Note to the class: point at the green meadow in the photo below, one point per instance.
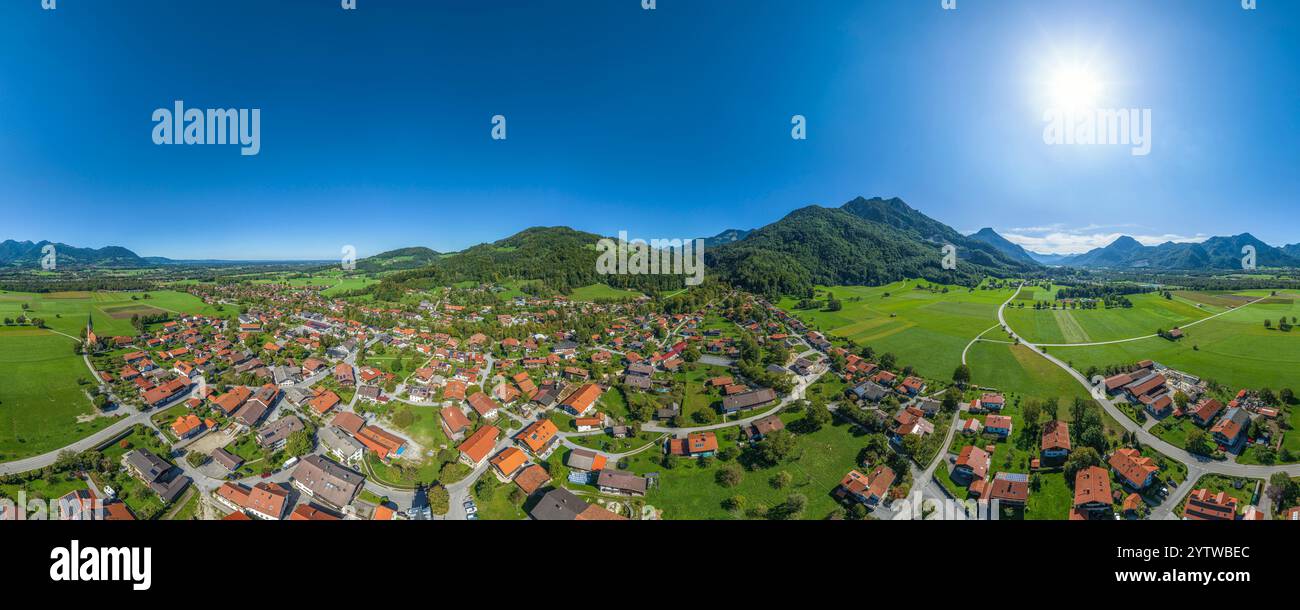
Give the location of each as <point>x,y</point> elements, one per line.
<point>40,399</point>
<point>1150,312</point>
<point>1234,349</point>
<point>925,329</point>
<point>595,292</point>
<point>66,312</point>
<point>1017,369</point>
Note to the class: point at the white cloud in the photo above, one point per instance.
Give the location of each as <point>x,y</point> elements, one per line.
<point>1060,240</point>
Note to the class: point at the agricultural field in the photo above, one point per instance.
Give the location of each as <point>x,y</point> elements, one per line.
<point>66,312</point>
<point>1234,349</point>
<point>1150,312</point>
<point>595,292</point>
<point>925,329</point>
<point>42,405</point>
<point>1017,369</point>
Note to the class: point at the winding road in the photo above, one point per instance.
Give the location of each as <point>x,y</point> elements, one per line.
<point>1196,465</point>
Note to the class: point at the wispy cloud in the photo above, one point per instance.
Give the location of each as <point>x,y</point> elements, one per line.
<point>1058,239</point>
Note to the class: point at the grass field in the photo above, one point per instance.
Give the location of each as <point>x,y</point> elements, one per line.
<point>594,292</point>
<point>1150,312</point>
<point>924,329</point>
<point>40,399</point>
<point>1234,349</point>
<point>1017,369</point>
<point>66,312</point>
<point>691,492</point>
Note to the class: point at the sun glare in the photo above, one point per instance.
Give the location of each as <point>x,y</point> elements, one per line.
<point>1074,87</point>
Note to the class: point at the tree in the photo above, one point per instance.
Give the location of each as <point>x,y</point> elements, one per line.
<point>728,476</point>
<point>1031,412</point>
<point>299,443</point>
<point>439,499</point>
<point>734,504</point>
<point>1079,459</point>
<point>1199,442</point>
<point>780,480</point>
<point>816,416</point>
<point>961,376</point>
<point>1282,490</point>
<point>794,506</point>
<point>775,447</point>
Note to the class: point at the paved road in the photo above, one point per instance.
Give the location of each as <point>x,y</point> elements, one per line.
<point>1196,465</point>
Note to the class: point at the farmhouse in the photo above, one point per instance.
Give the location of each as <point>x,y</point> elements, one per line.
<point>582,401</point>
<point>540,437</point>
<point>1011,488</point>
<point>869,490</point>
<point>1232,427</point>
<point>327,481</point>
<point>476,448</point>
<point>620,482</point>
<point>585,460</point>
<point>454,422</point>
<point>1056,440</point>
<point>1134,470</point>
<point>695,445</point>
<point>1091,494</point>
<point>560,504</point>
<point>1202,505</point>
<point>748,400</point>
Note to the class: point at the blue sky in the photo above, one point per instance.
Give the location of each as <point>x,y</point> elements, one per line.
<point>667,123</point>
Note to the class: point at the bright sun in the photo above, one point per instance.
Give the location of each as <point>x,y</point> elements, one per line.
<point>1074,87</point>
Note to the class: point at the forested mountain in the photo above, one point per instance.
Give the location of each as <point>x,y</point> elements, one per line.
<point>726,237</point>
<point>992,238</point>
<point>1291,250</point>
<point>28,254</point>
<point>560,258</point>
<point>402,258</point>
<point>1214,253</point>
<point>866,241</point>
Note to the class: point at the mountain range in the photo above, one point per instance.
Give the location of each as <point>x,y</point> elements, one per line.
<point>1215,253</point>
<point>865,241</point>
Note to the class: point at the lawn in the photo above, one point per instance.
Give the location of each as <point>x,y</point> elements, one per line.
<point>40,399</point>
<point>422,424</point>
<point>52,488</point>
<point>690,491</point>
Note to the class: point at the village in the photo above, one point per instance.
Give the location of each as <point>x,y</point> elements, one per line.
<point>305,407</point>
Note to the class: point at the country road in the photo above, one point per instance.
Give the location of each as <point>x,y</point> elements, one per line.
<point>1196,465</point>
